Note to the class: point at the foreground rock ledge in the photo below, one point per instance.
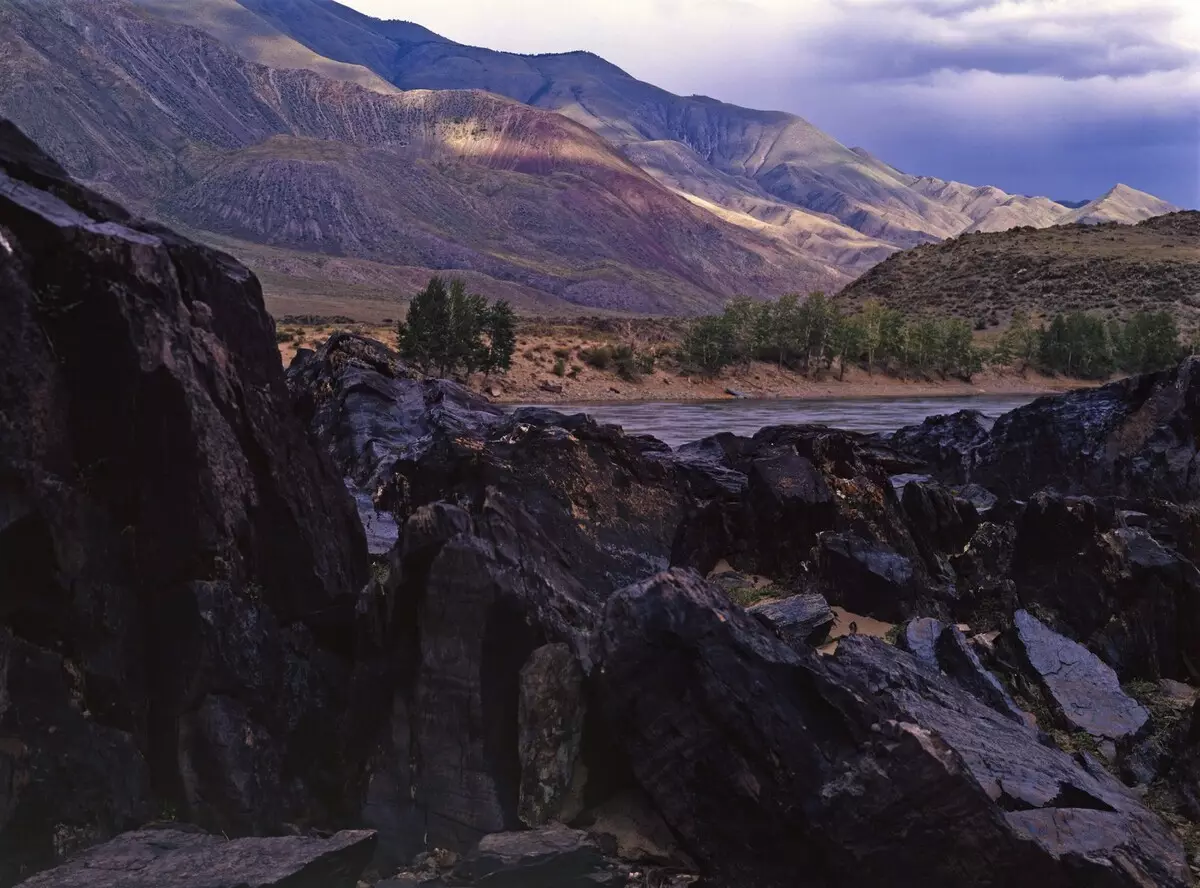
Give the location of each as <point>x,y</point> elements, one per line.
<point>777,767</point>
<point>179,857</point>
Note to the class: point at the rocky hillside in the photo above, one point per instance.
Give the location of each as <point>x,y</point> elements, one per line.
<point>577,657</point>
<point>187,129</point>
<point>1110,268</point>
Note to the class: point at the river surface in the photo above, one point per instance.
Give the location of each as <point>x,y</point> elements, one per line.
<point>678,423</point>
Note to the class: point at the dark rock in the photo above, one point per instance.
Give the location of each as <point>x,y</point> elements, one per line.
<point>787,491</point>
<point>946,443</point>
<point>959,661</point>
<point>919,637</point>
<point>800,482</point>
<point>941,523</point>
<point>550,857</point>
<point>1134,437</point>
<point>148,449</point>
<point>799,619</point>
<point>550,731</point>
<point>978,496</point>
<point>734,393</point>
<point>983,570</point>
<point>867,577</point>
<point>1083,690</point>
<point>60,770</point>
<point>370,414</point>
<point>1131,600</point>
<point>554,388</point>
<point>867,751</point>
<point>183,858</point>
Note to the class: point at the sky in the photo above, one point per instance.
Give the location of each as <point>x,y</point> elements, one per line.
<point>1057,97</point>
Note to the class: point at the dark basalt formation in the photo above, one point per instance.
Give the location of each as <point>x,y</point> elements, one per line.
<point>535,684</point>
<point>177,562</point>
<point>188,858</point>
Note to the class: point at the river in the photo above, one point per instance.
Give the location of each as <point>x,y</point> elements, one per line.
<point>677,422</point>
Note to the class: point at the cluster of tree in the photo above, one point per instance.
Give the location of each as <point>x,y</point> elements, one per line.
<point>449,332</point>
<point>811,335</point>
<point>1087,346</point>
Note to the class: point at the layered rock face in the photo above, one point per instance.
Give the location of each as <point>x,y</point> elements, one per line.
<point>177,562</point>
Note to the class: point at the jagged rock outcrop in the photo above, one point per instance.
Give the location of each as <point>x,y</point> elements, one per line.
<point>824,778</point>
<point>946,442</point>
<point>188,858</point>
<point>1134,437</point>
<point>405,442</point>
<point>177,562</point>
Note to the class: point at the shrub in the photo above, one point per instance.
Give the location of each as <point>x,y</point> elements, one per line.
<point>563,354</point>
<point>600,357</point>
<point>560,367</point>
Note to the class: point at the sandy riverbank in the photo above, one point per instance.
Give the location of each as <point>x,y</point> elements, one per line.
<point>532,378</point>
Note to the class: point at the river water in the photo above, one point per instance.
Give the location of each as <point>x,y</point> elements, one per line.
<point>677,423</point>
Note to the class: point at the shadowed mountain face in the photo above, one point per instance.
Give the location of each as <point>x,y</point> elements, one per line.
<point>288,129</point>
<point>1110,268</point>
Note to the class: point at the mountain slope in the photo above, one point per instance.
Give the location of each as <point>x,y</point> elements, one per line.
<point>1111,268</point>
<point>770,153</point>
<point>1120,204</point>
<point>186,128</point>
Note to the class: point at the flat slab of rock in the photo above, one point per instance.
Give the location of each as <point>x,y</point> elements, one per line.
<point>1085,690</point>
<point>800,619</point>
<point>184,858</point>
<point>551,857</point>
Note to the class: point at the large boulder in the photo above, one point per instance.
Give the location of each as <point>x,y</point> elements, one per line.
<point>864,768</point>
<point>180,857</point>
<point>1134,437</point>
<point>150,463</point>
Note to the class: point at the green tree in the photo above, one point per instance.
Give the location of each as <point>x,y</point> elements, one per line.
<point>422,335</point>
<point>500,327</point>
<point>709,345</point>
<point>449,331</point>
<point>1150,341</point>
<point>847,337</point>
<point>1020,344</point>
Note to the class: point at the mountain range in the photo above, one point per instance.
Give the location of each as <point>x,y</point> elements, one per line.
<point>343,155</point>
